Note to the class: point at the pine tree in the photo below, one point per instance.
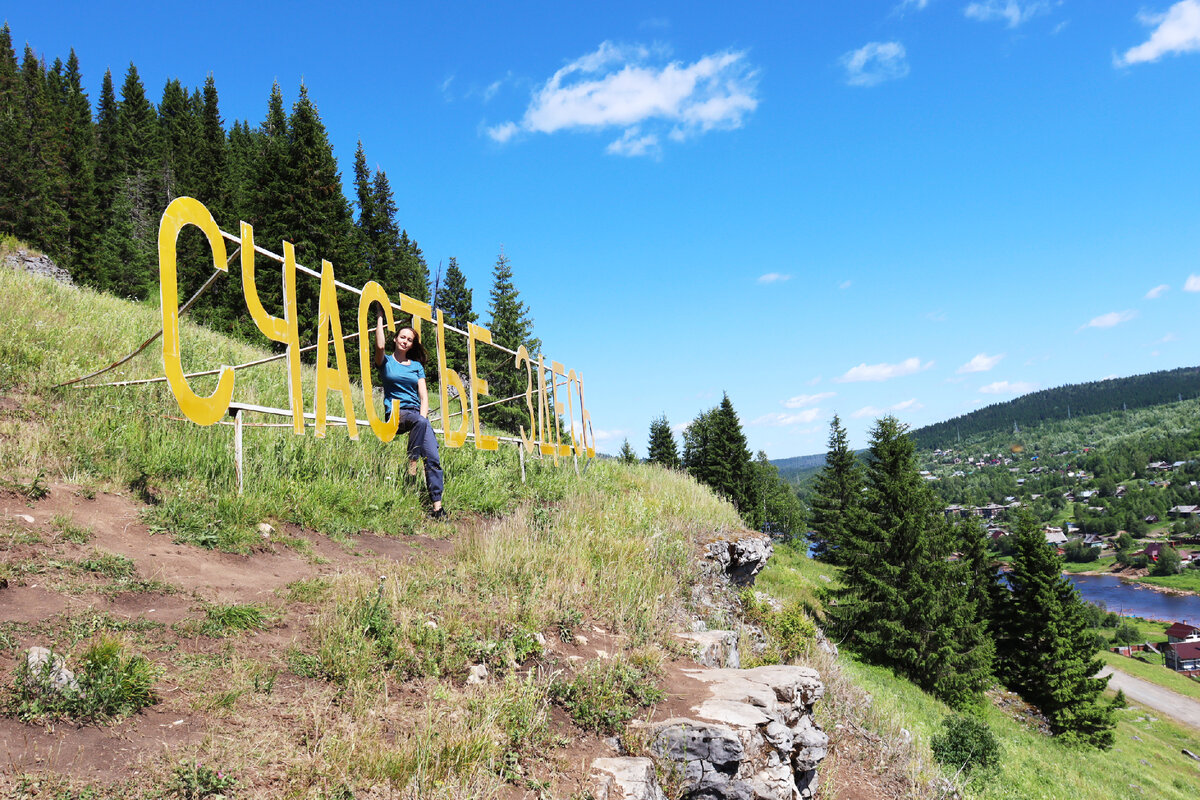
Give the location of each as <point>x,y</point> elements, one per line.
<point>626,453</point>
<point>662,449</point>
<point>837,494</point>
<point>210,181</point>
<point>1044,649</point>
<point>511,327</point>
<point>456,301</point>
<point>413,271</point>
<point>179,135</point>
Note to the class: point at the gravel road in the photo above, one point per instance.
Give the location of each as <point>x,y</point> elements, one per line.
<point>1164,701</point>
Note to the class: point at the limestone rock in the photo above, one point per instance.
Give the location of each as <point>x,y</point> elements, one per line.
<point>478,674</point>
<point>625,779</point>
<point>42,661</point>
<point>751,735</point>
<point>714,648</point>
<point>741,559</point>
<point>26,261</point>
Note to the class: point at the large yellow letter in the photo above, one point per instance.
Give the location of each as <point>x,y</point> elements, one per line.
<point>374,293</point>
<point>330,322</point>
<point>557,369</point>
<point>453,438</point>
<point>286,330</point>
<point>571,379</point>
<point>531,439</point>
<point>478,384</point>
<point>545,447</point>
<point>187,211</point>
<point>585,424</point>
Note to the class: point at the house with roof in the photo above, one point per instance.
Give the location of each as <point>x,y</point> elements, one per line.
<point>1055,536</point>
<point>1153,550</point>
<point>1183,511</point>
<point>1183,632</point>
<point>1182,656</point>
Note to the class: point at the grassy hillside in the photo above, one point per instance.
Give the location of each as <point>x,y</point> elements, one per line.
<point>1064,402</point>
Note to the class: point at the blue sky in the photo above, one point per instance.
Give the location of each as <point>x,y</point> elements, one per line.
<point>918,207</point>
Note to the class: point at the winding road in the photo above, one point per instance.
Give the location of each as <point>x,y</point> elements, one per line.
<point>1164,701</point>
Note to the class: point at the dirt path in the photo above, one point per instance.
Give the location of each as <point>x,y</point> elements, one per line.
<point>1150,695</point>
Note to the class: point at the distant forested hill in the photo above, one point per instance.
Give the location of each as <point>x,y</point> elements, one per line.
<point>1096,397</point>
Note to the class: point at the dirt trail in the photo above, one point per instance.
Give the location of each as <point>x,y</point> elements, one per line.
<point>1172,704</point>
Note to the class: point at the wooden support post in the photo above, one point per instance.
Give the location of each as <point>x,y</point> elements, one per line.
<point>237,448</point>
<point>521,453</point>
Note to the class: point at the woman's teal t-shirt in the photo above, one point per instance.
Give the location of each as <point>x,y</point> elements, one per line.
<point>399,383</point>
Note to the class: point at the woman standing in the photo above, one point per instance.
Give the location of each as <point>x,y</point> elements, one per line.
<point>402,375</point>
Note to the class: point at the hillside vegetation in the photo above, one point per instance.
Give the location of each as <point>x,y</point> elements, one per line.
<point>1065,402</point>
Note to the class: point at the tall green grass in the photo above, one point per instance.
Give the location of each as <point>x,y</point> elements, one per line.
<point>134,438</point>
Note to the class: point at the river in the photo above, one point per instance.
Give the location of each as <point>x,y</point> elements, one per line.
<point>1132,600</point>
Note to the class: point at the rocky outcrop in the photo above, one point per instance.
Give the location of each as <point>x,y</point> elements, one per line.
<point>26,261</point>
<point>625,779</point>
<point>741,559</point>
<point>751,735</point>
<point>50,667</point>
<point>717,649</point>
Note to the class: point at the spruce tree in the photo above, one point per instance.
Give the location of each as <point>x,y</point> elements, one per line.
<point>456,301</point>
<point>210,176</point>
<point>626,453</point>
<point>781,511</point>
<point>12,154</point>
<point>662,449</point>
<point>511,327</point>
<point>837,494</point>
<point>108,156</point>
<point>1044,649</point>
<point>903,602</point>
<point>41,220</point>
<point>715,453</point>
<point>79,162</point>
<point>141,182</point>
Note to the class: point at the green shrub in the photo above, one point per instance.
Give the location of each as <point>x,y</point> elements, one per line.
<point>197,782</point>
<point>1126,633</point>
<point>606,694</point>
<point>221,620</point>
<point>966,744</point>
<point>110,682</point>
<point>110,565</point>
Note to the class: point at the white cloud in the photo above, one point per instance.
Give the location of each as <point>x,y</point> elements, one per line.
<point>844,284</point>
<point>445,87</point>
<point>1170,337</point>
<point>503,132</point>
<point>1005,387</point>
<point>1157,291</point>
<point>680,427</point>
<point>610,436</point>
<point>633,143</point>
<point>1192,284</point>
<point>883,372</point>
<point>1176,31</point>
<point>620,87</point>
<point>980,363</point>
<point>801,400</point>
<point>874,63</point>
<point>815,381</point>
<point>773,277</point>
<point>1110,319</point>
<point>872,411</point>
<point>936,316</point>
<point>1011,11</point>
<point>779,418</point>
<point>910,5</point>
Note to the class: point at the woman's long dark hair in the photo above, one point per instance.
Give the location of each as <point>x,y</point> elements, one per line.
<point>417,351</point>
